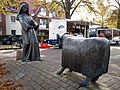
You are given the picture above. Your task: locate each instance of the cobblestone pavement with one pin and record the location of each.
(41, 75)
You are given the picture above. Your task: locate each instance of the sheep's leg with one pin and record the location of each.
(94, 79)
(61, 71)
(85, 82)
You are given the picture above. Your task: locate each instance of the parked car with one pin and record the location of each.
(12, 39)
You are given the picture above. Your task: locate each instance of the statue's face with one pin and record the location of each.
(24, 8)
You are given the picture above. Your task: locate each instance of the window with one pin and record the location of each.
(12, 18)
(116, 33)
(42, 22)
(39, 32)
(13, 32)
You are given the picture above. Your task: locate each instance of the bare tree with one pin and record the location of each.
(70, 6)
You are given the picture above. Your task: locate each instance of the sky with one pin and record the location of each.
(87, 16)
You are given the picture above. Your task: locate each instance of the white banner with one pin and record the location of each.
(47, 1)
(57, 27)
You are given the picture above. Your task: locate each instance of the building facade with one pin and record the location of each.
(9, 25)
(12, 25)
(2, 24)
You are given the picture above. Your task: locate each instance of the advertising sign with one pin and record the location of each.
(57, 27)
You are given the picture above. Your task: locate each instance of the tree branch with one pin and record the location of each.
(5, 6)
(63, 4)
(117, 2)
(114, 6)
(87, 2)
(60, 4)
(75, 8)
(71, 3)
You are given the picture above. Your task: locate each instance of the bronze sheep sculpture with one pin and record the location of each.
(89, 56)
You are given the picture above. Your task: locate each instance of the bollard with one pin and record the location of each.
(19, 54)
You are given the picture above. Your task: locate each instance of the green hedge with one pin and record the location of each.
(3, 36)
(44, 36)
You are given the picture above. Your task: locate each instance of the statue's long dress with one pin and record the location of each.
(30, 43)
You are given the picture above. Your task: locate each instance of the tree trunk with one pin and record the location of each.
(67, 15)
(118, 19)
(102, 22)
(67, 10)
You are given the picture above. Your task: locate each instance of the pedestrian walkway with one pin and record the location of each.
(41, 75)
(6, 47)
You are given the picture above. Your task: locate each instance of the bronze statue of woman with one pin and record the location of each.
(31, 50)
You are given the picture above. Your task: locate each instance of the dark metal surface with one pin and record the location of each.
(89, 56)
(30, 43)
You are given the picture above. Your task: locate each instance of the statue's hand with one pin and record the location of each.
(30, 27)
(37, 26)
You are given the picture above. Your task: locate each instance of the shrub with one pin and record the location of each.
(39, 36)
(3, 36)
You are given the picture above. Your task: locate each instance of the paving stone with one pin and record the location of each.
(23, 88)
(109, 83)
(55, 80)
(41, 77)
(32, 83)
(118, 88)
(116, 85)
(71, 88)
(83, 88)
(55, 85)
(42, 89)
(36, 74)
(63, 84)
(16, 78)
(72, 83)
(48, 81)
(63, 79)
(26, 79)
(29, 87)
(20, 75)
(61, 88)
(51, 88)
(34, 78)
(44, 74)
(39, 81)
(45, 86)
(49, 76)
(37, 87)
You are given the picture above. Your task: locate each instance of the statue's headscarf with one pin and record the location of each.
(20, 9)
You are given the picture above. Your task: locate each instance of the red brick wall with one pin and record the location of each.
(3, 25)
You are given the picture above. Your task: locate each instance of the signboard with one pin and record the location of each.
(57, 27)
